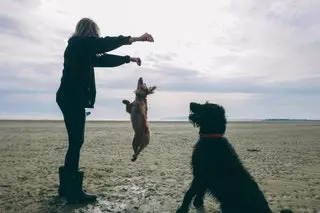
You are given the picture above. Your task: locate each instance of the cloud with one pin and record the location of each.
(9, 26)
(261, 52)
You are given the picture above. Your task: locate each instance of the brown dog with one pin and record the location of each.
(138, 110)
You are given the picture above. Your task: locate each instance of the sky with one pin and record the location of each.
(257, 58)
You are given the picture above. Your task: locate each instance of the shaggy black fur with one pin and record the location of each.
(217, 168)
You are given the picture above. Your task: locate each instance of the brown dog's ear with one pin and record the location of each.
(151, 90)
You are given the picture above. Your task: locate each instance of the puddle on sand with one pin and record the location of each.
(127, 200)
(125, 206)
(123, 199)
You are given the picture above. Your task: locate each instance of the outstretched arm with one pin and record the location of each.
(109, 60)
(106, 44)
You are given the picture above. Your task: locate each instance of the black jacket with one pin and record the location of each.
(80, 57)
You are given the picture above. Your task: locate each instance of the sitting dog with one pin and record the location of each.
(138, 110)
(217, 168)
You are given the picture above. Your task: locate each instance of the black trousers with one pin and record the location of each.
(74, 119)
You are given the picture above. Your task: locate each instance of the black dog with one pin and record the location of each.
(217, 168)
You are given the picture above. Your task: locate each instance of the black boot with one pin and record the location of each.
(62, 190)
(75, 194)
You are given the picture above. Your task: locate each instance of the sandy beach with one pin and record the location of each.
(286, 166)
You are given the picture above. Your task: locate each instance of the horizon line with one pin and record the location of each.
(158, 120)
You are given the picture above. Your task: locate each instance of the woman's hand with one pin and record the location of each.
(136, 60)
(144, 37)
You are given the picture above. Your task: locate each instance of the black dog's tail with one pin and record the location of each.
(286, 211)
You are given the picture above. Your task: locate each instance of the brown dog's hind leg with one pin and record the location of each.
(135, 145)
(143, 143)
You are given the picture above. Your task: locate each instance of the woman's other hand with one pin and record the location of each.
(136, 60)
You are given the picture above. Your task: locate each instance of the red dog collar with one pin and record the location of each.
(214, 135)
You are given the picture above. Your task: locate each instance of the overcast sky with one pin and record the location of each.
(257, 58)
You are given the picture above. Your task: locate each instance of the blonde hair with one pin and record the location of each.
(86, 27)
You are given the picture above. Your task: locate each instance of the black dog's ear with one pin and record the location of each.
(222, 110)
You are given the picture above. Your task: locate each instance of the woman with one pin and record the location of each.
(77, 91)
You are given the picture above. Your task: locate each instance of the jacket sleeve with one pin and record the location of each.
(108, 60)
(106, 44)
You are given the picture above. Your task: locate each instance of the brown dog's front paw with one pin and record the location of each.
(126, 102)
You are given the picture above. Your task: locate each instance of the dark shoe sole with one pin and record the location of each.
(73, 201)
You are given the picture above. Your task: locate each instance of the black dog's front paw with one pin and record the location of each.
(182, 210)
(198, 202)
